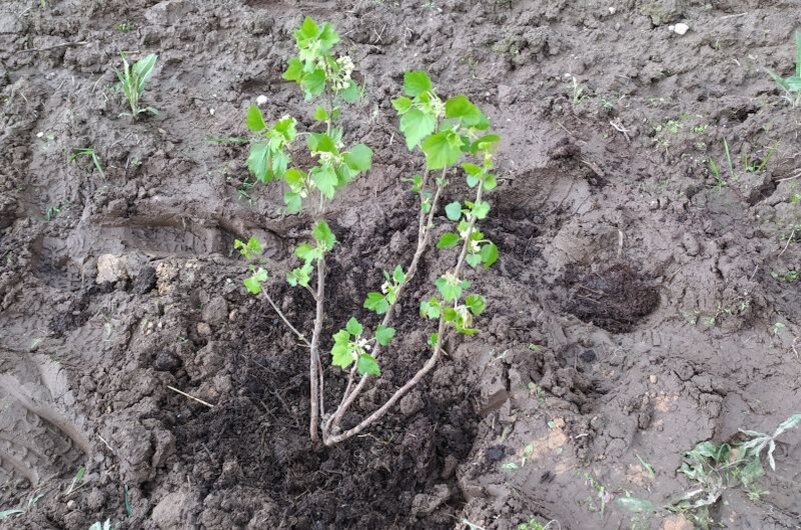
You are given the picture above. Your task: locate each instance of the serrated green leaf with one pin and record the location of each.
(341, 355)
(402, 104)
(294, 70)
(490, 182)
(367, 365)
(306, 252)
(489, 254)
(416, 125)
(320, 114)
(286, 128)
(430, 308)
(398, 275)
(433, 339)
(453, 211)
(448, 240)
(476, 303)
(307, 30)
(415, 83)
(359, 158)
(376, 302)
(321, 143)
(255, 119)
(313, 83)
(293, 202)
(325, 178)
(354, 327)
(351, 93)
(450, 288)
(473, 260)
(328, 37)
(481, 209)
(322, 234)
(459, 107)
(384, 334)
(442, 149)
(257, 162)
(300, 276)
(253, 282)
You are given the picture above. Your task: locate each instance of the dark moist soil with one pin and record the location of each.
(640, 305)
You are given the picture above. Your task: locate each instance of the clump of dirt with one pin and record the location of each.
(614, 299)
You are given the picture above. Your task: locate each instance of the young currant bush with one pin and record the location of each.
(452, 135)
(132, 80)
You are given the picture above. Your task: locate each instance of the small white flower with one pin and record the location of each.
(261, 100)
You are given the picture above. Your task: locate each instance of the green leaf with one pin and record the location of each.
(293, 202)
(328, 37)
(367, 365)
(476, 303)
(448, 240)
(481, 209)
(313, 83)
(354, 327)
(398, 275)
(384, 334)
(255, 119)
(253, 283)
(460, 107)
(490, 182)
(307, 30)
(320, 114)
(442, 149)
(306, 252)
(402, 104)
(341, 353)
(486, 142)
(433, 339)
(351, 93)
(325, 178)
(473, 260)
(450, 288)
(489, 254)
(286, 128)
(322, 234)
(251, 249)
(416, 125)
(415, 83)
(376, 302)
(454, 211)
(430, 308)
(257, 162)
(321, 143)
(300, 276)
(359, 158)
(294, 70)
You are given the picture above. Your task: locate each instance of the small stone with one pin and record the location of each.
(216, 311)
(145, 281)
(652, 379)
(111, 268)
(166, 361)
(232, 315)
(587, 356)
(681, 28)
(261, 100)
(203, 329)
(653, 205)
(612, 10)
(71, 504)
(411, 404)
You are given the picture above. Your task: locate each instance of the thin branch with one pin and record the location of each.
(209, 405)
(427, 367)
(423, 235)
(286, 321)
(315, 376)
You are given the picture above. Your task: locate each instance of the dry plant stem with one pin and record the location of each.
(427, 367)
(286, 321)
(315, 379)
(425, 222)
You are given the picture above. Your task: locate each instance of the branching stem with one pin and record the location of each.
(286, 321)
(315, 371)
(328, 438)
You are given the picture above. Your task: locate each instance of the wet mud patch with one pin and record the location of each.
(614, 299)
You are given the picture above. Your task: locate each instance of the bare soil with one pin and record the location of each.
(640, 305)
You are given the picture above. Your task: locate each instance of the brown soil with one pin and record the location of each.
(632, 315)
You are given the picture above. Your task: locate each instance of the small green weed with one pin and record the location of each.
(90, 153)
(105, 525)
(713, 468)
(125, 27)
(789, 276)
(534, 524)
(791, 85)
(749, 164)
(132, 81)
